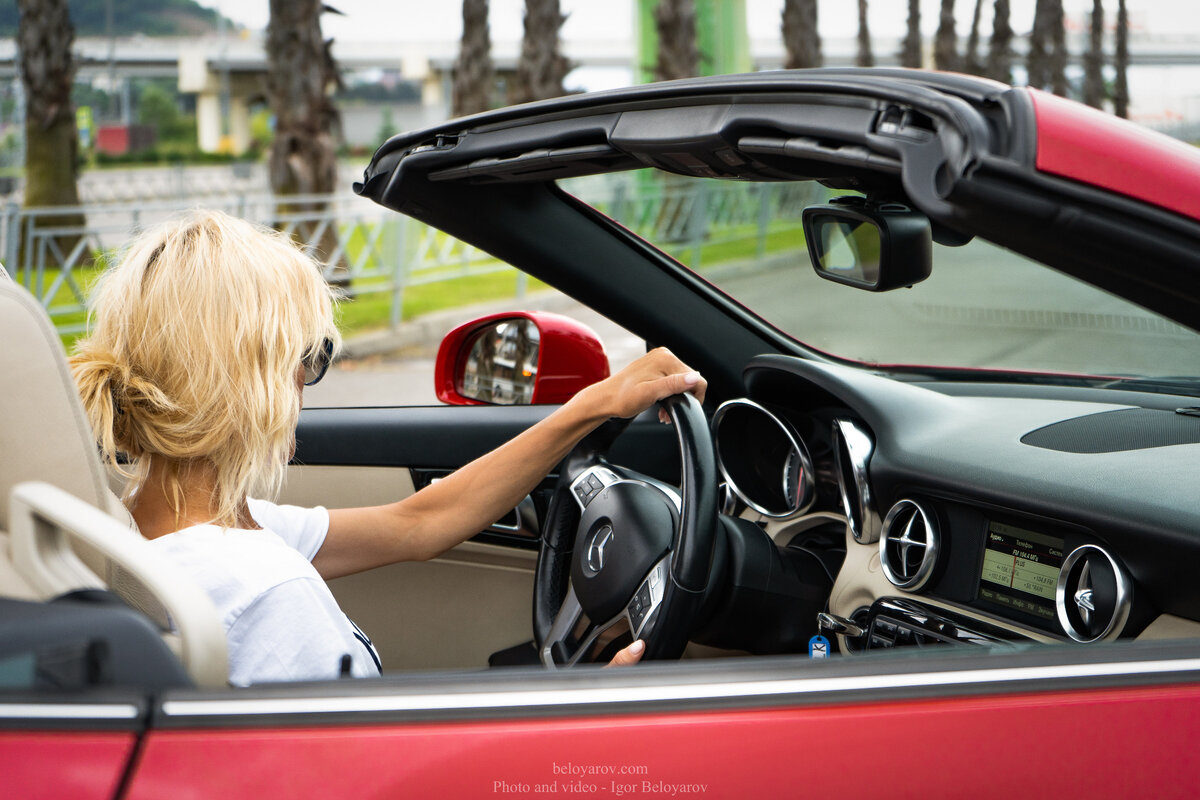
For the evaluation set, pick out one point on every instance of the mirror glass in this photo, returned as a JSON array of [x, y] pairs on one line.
[[501, 364], [848, 248]]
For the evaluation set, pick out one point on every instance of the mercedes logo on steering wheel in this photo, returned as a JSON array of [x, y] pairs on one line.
[[595, 552]]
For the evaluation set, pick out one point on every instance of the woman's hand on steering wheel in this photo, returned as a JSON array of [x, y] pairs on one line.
[[652, 377]]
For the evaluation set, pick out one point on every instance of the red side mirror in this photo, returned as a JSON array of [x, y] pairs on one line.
[[518, 358]]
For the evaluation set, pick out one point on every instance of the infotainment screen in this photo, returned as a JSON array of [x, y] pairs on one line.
[[1020, 569]]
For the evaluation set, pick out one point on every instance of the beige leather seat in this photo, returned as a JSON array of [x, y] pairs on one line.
[[61, 528]]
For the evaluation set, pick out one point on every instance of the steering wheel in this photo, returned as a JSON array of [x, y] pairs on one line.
[[637, 551]]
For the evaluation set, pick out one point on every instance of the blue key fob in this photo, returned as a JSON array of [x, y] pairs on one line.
[[818, 647]]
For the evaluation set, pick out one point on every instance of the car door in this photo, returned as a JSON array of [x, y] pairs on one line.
[[1070, 721]]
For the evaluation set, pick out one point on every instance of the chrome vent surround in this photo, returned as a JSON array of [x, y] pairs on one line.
[[1093, 595], [908, 549], [852, 449]]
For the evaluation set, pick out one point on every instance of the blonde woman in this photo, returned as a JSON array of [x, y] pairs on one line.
[[202, 340]]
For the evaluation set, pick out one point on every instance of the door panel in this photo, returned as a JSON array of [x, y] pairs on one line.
[[455, 610], [451, 612]]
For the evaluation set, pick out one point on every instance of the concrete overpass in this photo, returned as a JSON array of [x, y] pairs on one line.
[[234, 66]]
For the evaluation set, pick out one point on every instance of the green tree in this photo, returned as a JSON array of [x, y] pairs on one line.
[[44, 38], [158, 108], [474, 72]]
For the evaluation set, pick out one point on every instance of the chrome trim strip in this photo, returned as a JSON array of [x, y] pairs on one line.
[[66, 711], [859, 447], [549, 698]]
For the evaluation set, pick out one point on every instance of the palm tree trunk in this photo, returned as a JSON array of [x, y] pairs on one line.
[[1058, 54], [1121, 62], [800, 36], [474, 73], [999, 60], [1093, 63], [910, 48], [1038, 62], [44, 38], [971, 60], [303, 155], [865, 57], [678, 56], [945, 41], [542, 66]]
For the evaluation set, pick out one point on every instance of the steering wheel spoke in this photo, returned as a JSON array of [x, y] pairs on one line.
[[572, 637]]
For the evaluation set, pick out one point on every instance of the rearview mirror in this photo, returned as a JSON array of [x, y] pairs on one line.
[[518, 358], [872, 247]]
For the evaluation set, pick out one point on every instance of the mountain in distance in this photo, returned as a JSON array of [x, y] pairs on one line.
[[129, 17]]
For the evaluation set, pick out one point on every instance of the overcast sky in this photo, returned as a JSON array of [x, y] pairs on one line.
[[407, 20]]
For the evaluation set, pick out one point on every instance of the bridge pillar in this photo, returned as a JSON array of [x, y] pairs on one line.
[[214, 133]]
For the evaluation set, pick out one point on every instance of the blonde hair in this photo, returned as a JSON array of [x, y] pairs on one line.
[[196, 337]]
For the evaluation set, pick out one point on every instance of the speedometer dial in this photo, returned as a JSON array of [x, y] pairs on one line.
[[763, 460]]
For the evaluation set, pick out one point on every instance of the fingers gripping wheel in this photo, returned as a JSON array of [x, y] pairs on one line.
[[641, 552]]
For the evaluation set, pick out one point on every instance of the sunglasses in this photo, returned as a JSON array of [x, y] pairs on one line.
[[316, 363]]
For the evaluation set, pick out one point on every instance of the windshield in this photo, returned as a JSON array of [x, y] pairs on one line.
[[983, 307]]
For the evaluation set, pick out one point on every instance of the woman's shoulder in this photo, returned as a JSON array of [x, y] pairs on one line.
[[235, 562], [302, 529]]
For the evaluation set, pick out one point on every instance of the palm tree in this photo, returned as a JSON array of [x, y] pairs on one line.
[[1121, 62], [1047, 64], [678, 56], [541, 67], [910, 48], [303, 155], [1093, 62], [44, 38], [474, 73], [865, 57], [945, 41], [1037, 64], [800, 35], [971, 62], [999, 60], [1058, 55]]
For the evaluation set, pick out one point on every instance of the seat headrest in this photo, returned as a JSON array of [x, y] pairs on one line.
[[44, 435]]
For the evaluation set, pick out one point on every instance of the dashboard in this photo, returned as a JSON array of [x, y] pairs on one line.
[[990, 513]]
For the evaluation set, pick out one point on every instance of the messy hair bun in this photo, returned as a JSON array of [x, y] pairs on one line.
[[196, 336]]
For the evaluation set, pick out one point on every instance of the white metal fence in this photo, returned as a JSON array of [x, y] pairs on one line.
[[377, 251]]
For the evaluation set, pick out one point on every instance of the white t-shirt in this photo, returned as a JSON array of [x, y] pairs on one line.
[[281, 621]]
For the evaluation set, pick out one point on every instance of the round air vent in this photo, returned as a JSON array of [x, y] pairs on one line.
[[852, 448], [1093, 595], [908, 550]]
